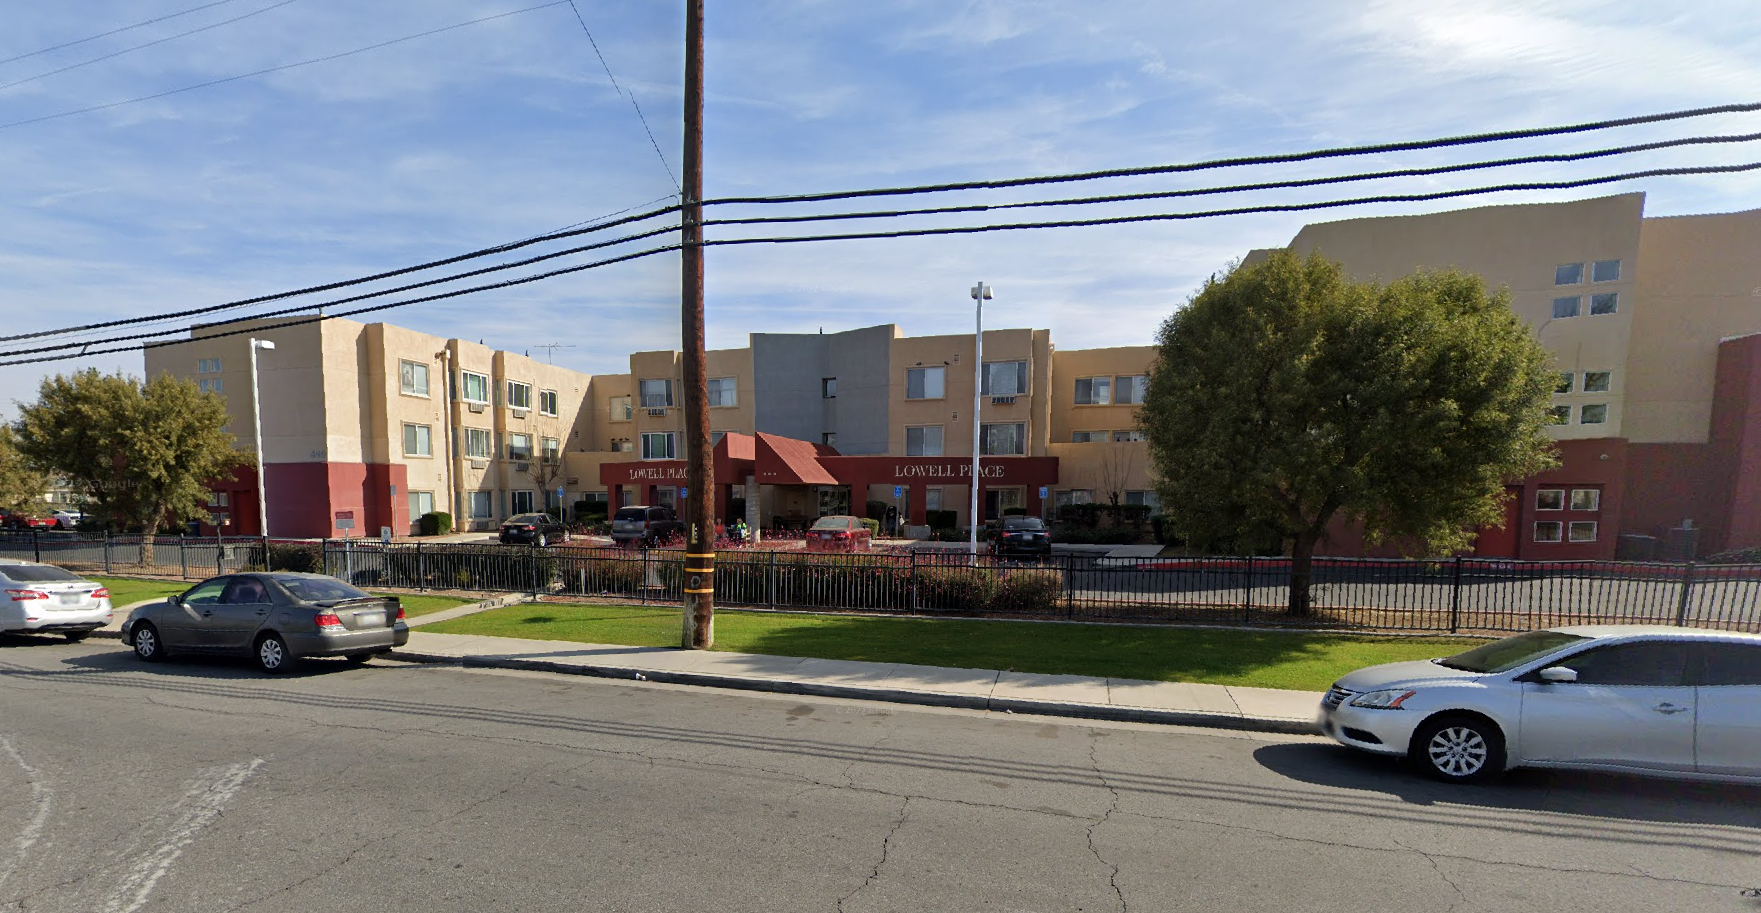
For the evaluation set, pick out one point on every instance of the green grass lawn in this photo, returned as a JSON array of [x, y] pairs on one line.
[[129, 590], [1267, 659]]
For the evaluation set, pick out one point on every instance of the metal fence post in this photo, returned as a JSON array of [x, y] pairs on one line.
[[642, 584], [532, 558], [421, 569], [1455, 599], [1247, 592], [106, 551], [183, 557], [36, 545], [1069, 571], [770, 579], [219, 552], [913, 581], [1681, 607]]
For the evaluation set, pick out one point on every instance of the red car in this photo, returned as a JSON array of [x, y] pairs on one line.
[[838, 534], [11, 520]]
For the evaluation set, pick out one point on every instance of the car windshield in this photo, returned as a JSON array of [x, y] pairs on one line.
[[832, 523], [1023, 523], [36, 573], [320, 589], [630, 513], [527, 518], [1505, 655]]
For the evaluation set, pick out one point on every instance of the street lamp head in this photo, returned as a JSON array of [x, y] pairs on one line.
[[981, 292], [263, 343]]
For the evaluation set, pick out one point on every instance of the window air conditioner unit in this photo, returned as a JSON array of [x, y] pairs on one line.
[[659, 411], [574, 481], [1002, 400], [474, 407], [519, 413], [479, 464], [522, 467]]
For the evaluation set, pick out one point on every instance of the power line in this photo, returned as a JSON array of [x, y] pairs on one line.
[[1116, 220], [83, 63], [630, 95], [117, 31], [275, 69], [1283, 158]]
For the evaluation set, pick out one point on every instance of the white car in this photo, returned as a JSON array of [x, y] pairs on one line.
[[42, 598], [1673, 702], [66, 519]]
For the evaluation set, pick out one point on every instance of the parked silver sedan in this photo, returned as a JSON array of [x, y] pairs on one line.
[[1673, 702], [275, 619], [44, 599]]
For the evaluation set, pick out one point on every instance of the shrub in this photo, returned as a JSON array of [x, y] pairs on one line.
[[940, 519], [872, 525], [298, 557], [435, 523], [1015, 591], [876, 511], [1014, 511]]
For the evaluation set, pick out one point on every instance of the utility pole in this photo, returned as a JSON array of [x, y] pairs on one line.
[[979, 293], [699, 620]]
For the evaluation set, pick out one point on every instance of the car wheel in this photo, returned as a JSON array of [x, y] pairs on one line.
[[147, 644], [272, 654], [543, 540], [1459, 748]]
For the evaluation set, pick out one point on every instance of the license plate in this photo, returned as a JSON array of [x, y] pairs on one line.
[[370, 620], [72, 598]]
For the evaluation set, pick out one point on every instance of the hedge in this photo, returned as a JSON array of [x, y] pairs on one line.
[[435, 523]]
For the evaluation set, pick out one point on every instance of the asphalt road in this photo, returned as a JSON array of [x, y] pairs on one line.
[[391, 788]]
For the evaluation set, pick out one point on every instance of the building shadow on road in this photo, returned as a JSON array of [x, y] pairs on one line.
[[1556, 791]]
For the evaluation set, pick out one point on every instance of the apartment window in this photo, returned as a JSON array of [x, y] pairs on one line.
[[1006, 439], [715, 437], [1565, 382], [1550, 499], [923, 440], [1597, 381], [412, 378], [1072, 496], [657, 445], [219, 500], [207, 366], [1568, 274], [1559, 415], [829, 438], [828, 388], [210, 385], [1129, 389], [478, 444], [481, 506], [1605, 271], [666, 497], [655, 394], [1143, 499], [620, 409], [721, 391], [1005, 378], [519, 395], [1549, 531], [1593, 414], [1582, 531], [623, 446], [925, 383], [1586, 499], [474, 388], [1123, 437], [521, 502], [1087, 437], [932, 499], [552, 450], [547, 402], [519, 446], [1606, 303], [1094, 391], [421, 504], [1567, 307], [418, 440]]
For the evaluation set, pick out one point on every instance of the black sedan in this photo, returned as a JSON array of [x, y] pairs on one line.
[[274, 618], [537, 529], [1021, 537]]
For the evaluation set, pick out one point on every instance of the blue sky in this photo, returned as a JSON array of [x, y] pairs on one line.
[[507, 128]]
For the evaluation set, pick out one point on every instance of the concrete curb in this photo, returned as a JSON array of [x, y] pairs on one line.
[[889, 695]]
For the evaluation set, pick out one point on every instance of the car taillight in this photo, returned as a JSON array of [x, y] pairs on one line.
[[400, 613], [24, 595], [328, 620], [841, 534], [100, 593], [528, 528]]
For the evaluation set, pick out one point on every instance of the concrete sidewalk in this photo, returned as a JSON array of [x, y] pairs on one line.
[[1263, 709]]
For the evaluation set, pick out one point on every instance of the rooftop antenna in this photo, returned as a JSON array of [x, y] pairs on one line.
[[551, 347]]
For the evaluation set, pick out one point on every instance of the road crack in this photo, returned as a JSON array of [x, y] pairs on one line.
[[886, 850], [1113, 876], [1459, 893]]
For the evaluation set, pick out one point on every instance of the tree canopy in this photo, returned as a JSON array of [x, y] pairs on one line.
[[22, 486], [141, 454], [1286, 396]]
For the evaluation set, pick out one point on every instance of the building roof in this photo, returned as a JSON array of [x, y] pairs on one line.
[[786, 461]]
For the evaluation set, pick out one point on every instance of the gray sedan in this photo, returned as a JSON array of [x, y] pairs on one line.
[[1673, 702], [273, 618]]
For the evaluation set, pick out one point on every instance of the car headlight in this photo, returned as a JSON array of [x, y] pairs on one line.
[[1382, 700]]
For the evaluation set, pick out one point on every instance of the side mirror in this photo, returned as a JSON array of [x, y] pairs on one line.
[[1558, 675], [175, 599]]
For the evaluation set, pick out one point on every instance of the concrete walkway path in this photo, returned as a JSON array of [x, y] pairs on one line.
[[1263, 709]]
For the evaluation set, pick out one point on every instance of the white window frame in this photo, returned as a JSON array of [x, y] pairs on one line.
[[1581, 531], [1070, 496], [1014, 371], [1567, 383], [624, 414], [407, 372], [828, 388], [525, 494], [1088, 437], [648, 453], [415, 503], [208, 365], [547, 403], [923, 448], [211, 385], [515, 449], [932, 498], [1559, 415], [1100, 391], [623, 445], [485, 499], [1611, 298], [1594, 499], [940, 372], [984, 434], [1139, 386], [1555, 531], [424, 440], [519, 395], [1539, 492], [1565, 266], [655, 402], [723, 392], [1606, 385], [483, 435], [551, 449], [1596, 267], [1584, 414], [1577, 307], [1128, 437], [465, 378], [1144, 498]]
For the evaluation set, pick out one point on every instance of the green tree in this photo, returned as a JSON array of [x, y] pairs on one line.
[[22, 485], [142, 454], [1285, 396]]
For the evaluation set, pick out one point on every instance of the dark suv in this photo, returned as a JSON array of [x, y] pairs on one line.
[[538, 529], [1021, 536], [646, 525]]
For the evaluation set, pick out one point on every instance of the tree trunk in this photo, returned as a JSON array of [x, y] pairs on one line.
[[1302, 554], [148, 532]]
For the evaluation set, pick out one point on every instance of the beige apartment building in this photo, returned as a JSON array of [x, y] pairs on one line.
[[366, 427]]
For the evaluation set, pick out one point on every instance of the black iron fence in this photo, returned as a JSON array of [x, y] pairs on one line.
[[1466, 595]]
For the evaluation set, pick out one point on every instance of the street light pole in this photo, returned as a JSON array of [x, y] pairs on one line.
[[980, 292], [257, 429]]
